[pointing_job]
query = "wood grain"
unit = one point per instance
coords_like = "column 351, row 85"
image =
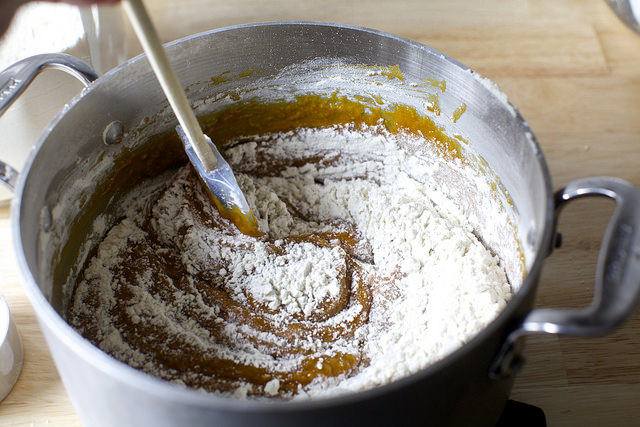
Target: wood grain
column 571, row 68
column 532, row 49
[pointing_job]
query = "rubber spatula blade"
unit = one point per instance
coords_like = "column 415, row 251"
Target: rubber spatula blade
column 203, row 154
column 222, row 185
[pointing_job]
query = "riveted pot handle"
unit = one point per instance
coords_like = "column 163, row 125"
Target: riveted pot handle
column 617, row 282
column 17, row 77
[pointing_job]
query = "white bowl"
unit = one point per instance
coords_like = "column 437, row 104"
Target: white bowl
column 11, row 354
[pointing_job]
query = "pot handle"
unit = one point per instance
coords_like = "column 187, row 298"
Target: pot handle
column 617, row 281
column 17, row 77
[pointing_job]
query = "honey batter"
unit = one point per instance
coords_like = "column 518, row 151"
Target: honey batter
column 360, row 279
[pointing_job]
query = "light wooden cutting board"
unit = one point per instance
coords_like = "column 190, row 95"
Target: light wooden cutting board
column 572, row 69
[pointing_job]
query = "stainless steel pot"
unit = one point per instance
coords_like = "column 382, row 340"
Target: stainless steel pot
column 469, row 387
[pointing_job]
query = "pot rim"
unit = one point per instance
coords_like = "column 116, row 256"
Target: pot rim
column 50, row 319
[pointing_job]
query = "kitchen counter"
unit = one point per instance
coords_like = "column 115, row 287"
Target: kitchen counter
column 573, row 70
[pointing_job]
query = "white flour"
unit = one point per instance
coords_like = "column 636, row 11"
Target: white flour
column 432, row 284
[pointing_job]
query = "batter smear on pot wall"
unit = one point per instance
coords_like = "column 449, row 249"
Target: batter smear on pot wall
column 366, row 273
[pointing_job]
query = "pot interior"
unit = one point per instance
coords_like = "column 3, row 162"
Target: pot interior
column 69, row 180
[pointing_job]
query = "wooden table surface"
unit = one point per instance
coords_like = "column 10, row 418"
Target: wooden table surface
column 573, row 70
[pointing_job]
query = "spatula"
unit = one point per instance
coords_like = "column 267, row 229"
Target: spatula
column 214, row 171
